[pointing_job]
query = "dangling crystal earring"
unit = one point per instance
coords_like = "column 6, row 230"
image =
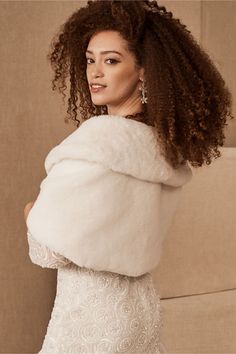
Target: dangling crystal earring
column 143, row 90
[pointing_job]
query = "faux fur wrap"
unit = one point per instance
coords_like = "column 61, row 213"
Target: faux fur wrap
column 109, row 197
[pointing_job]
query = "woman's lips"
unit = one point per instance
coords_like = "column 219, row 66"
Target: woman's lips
column 97, row 89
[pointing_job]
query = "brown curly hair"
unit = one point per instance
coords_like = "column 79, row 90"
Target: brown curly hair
column 188, row 101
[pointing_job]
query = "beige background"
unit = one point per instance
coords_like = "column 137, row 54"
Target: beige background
column 32, row 122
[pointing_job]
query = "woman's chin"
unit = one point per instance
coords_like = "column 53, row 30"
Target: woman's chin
column 99, row 102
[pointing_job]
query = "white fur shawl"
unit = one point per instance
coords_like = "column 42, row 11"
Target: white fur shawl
column 109, row 197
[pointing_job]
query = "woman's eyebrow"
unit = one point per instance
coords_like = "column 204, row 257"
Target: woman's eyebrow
column 105, row 52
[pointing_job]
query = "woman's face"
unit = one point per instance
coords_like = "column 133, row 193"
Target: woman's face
column 116, row 71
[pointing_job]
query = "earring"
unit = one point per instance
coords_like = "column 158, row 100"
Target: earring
column 143, row 90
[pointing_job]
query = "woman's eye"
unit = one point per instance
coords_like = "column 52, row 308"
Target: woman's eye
column 114, row 61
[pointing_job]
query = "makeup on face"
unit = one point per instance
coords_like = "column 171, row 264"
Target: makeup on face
column 97, row 88
column 112, row 76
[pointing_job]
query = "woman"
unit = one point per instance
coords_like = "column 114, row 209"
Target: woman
column 150, row 99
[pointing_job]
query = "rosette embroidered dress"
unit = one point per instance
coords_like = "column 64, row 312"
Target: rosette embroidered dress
column 100, row 219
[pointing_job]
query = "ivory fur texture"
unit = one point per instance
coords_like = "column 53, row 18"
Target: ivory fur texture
column 109, row 197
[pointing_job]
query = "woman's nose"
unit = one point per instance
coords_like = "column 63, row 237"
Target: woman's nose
column 96, row 71
column 96, row 74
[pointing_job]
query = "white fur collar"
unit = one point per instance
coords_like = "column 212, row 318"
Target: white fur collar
column 124, row 145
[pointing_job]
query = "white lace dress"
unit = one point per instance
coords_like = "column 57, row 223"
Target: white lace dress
column 99, row 311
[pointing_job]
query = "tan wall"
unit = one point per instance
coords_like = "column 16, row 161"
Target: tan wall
column 32, row 122
column 196, row 276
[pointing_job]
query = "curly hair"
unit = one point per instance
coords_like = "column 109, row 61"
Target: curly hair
column 188, row 101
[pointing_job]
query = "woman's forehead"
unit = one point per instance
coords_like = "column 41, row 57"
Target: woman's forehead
column 107, row 41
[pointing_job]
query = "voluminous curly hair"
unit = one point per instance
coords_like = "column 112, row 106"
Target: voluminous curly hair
column 188, row 101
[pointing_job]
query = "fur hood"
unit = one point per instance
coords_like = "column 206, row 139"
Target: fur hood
column 109, row 196
column 121, row 144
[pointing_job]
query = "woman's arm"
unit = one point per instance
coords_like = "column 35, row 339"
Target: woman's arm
column 27, row 209
column 40, row 254
column 43, row 256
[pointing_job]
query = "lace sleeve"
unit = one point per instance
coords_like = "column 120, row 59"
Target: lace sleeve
column 43, row 256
